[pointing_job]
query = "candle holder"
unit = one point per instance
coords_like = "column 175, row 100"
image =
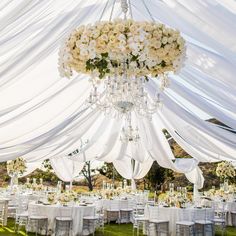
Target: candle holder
column 59, row 185
column 125, row 183
column 103, row 184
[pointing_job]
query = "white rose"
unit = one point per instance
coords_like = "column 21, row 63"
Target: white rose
column 164, row 40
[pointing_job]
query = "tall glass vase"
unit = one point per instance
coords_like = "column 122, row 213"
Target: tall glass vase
column 226, row 186
column 14, row 181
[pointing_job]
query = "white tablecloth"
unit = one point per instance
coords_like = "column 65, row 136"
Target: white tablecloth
column 173, row 214
column 118, row 204
column 77, row 214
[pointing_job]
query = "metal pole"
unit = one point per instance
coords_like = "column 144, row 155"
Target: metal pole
column 113, row 176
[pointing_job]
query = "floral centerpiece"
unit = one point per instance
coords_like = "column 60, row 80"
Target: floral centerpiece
column 108, row 193
column 28, row 185
column 37, row 187
column 116, row 192
column 16, row 167
column 52, row 197
column 225, row 170
column 176, row 199
column 67, row 196
column 102, row 49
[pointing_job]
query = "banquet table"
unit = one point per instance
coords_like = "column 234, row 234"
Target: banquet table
column 77, row 212
column 174, row 214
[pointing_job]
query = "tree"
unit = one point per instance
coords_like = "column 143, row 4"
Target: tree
column 109, row 171
column 158, row 176
column 89, row 175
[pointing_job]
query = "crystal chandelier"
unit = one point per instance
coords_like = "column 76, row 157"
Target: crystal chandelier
column 121, row 95
column 120, row 56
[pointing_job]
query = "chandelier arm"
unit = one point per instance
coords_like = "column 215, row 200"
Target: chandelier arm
column 112, row 9
column 103, row 11
column 148, row 10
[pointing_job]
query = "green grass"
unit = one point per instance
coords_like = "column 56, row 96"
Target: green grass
column 110, row 230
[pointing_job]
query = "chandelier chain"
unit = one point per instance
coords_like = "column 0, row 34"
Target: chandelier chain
column 130, row 9
column 124, row 7
column 148, row 10
column 103, row 11
column 112, row 10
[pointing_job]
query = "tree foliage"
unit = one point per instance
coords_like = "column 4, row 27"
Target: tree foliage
column 109, row 171
column 157, row 176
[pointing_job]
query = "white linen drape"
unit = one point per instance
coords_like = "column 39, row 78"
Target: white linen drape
column 66, row 169
column 43, row 116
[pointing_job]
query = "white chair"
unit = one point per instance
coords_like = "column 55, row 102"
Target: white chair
column 113, row 211
column 21, row 216
column 233, row 218
column 101, row 219
column 157, row 225
column 64, row 222
column 12, row 206
column 220, row 214
column 126, row 209
column 203, row 222
column 2, row 212
column 36, row 221
column 90, row 223
column 185, row 226
column 161, row 227
column 141, row 220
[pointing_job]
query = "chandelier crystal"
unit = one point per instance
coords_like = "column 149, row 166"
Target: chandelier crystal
column 128, row 133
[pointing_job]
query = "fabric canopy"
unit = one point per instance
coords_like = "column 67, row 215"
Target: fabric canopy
column 43, row 116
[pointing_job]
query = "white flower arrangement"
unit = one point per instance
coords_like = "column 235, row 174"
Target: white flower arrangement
column 176, row 199
column 111, row 193
column 225, row 169
column 28, row 185
column 37, row 187
column 67, row 196
column 51, row 197
column 102, row 49
column 17, row 166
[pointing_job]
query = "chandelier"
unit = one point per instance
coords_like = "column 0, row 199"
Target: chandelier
column 120, row 56
column 120, row 95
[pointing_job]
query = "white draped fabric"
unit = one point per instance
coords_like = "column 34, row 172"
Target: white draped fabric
column 43, row 116
column 30, row 167
column 66, row 169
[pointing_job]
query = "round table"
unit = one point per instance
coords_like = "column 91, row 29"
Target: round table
column 77, row 212
column 174, row 214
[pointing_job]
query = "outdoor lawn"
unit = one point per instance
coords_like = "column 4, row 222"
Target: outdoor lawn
column 110, row 230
